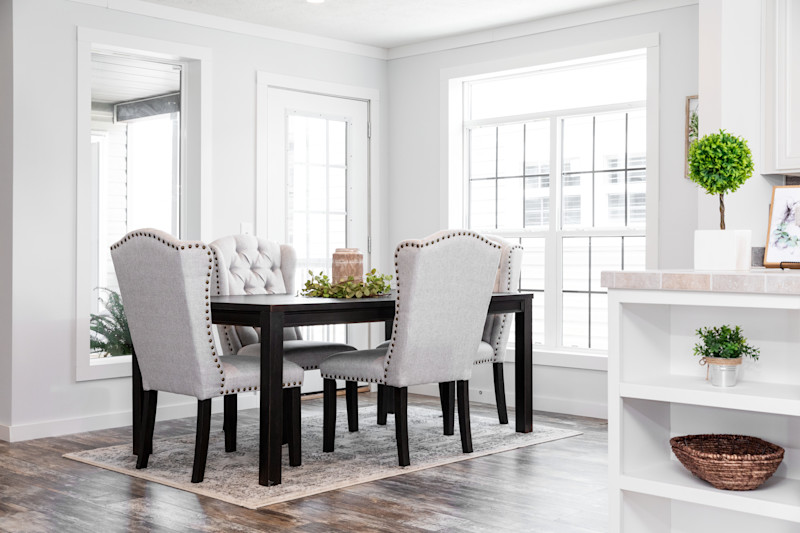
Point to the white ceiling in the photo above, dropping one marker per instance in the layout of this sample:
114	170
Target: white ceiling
123	79
386	23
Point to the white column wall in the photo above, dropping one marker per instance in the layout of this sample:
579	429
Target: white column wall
45	398
418	171
6	211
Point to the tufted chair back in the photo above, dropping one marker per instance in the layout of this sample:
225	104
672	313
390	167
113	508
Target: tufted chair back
444	284
251	265
165	286
497	328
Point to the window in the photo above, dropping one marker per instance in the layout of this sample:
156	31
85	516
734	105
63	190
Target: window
526	131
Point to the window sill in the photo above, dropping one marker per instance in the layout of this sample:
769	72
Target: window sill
103	368
543	356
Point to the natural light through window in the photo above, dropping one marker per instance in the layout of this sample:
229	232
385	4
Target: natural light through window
555	159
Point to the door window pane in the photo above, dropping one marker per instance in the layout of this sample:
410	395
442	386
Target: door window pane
575	317
575	264
609	146
578	134
482	204
483	153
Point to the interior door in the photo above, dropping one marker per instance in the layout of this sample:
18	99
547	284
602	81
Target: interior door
318	161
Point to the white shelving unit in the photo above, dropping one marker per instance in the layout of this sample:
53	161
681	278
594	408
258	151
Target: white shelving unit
657	390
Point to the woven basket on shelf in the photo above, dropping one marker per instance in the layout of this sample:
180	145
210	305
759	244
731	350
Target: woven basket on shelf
730	462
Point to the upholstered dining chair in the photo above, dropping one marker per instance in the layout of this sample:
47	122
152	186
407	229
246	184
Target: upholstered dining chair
496	332
443	287
247	264
165	285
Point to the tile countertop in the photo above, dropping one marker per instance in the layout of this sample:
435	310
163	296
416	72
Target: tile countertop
757	280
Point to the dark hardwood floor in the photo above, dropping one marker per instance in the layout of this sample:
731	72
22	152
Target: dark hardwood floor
557	487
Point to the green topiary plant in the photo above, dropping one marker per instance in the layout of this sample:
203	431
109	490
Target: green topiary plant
109	331
724	342
720	163
374	284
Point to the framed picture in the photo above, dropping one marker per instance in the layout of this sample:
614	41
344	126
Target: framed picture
691	129
783	237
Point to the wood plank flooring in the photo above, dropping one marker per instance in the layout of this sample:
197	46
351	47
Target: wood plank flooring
556	487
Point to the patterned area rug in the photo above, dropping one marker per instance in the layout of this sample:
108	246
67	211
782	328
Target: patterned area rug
366	455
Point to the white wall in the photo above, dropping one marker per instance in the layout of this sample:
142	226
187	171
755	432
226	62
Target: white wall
46	399
730	99
6	211
418	172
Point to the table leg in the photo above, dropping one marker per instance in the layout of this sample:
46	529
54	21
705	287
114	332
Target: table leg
523	369
137	400
271	401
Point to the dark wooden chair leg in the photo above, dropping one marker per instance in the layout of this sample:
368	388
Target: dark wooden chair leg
137	400
291	398
201	440
381	405
447	395
287	418
328	414
500	393
389	401
401	423
149	402
351	395
230	407
463	415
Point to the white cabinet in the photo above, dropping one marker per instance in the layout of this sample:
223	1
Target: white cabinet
781	94
657	390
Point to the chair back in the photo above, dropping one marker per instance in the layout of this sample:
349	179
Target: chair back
444	284
497	328
251	265
165	286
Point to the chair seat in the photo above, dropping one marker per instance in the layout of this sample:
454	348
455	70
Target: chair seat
485	353
306	354
359	365
243	373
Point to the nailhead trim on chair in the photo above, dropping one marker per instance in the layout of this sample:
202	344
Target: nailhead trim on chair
504	317
198	246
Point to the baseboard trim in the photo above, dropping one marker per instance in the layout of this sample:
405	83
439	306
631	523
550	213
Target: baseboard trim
56	428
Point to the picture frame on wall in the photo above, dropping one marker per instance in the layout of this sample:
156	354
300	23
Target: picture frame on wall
692	131
783	235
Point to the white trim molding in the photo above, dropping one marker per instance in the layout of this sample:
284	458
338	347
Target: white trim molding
196	162
204	20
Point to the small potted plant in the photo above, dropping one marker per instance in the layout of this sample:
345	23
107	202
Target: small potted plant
722	349
720	163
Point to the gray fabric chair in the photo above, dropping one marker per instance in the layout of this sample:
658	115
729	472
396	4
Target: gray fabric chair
165	285
444	283
496	332
251	265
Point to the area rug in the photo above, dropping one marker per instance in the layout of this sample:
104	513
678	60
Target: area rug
359	457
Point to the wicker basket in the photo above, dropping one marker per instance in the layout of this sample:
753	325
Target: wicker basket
730	462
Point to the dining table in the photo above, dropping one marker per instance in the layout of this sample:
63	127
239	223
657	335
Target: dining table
273	312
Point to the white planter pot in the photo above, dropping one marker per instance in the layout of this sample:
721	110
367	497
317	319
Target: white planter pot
718	249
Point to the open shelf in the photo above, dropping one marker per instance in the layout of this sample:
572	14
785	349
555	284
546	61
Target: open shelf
782	399
777	498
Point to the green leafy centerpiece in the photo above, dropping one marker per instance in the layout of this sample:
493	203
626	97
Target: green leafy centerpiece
110	335
720	163
374	284
722	349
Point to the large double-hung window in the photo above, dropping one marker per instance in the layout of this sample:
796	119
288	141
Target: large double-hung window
555	159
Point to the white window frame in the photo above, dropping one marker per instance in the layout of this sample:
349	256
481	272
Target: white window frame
453	185
195	165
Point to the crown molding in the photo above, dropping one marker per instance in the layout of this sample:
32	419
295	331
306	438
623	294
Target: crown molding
579	18
149	9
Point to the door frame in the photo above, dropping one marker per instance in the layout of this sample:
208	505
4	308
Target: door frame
265	81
